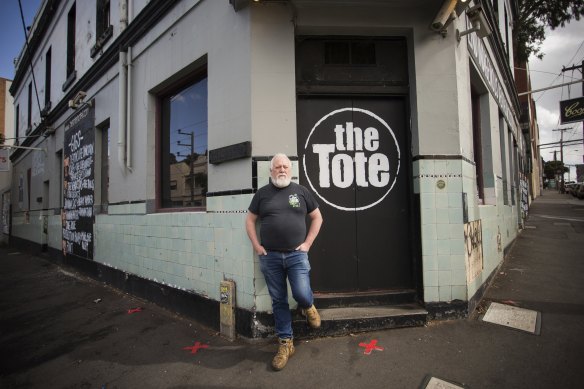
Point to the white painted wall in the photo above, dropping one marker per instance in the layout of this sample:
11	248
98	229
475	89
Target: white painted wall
251	73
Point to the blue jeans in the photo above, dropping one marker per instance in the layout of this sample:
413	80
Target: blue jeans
277	266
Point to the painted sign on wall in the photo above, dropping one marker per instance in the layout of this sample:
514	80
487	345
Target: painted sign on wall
524	186
342	156
473	240
78	184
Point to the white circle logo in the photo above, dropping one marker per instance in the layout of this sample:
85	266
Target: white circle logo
351	159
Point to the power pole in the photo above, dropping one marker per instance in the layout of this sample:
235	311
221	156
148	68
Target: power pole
581	68
561	155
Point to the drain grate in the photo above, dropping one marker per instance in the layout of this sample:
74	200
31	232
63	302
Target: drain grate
518	318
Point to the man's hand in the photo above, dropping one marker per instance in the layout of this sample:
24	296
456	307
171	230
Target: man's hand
315	223
303	247
260	250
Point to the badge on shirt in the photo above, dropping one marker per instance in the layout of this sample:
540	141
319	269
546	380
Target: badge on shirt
294	201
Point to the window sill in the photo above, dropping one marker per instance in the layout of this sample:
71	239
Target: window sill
45	110
190	209
70	80
101	41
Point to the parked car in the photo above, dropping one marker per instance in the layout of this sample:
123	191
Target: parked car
570	186
580	191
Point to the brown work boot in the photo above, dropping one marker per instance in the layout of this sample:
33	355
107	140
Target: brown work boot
285	351
312	316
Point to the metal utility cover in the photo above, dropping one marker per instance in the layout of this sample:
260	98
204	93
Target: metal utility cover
514	317
438	383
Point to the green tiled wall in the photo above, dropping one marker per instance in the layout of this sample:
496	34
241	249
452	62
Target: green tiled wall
191	251
442	225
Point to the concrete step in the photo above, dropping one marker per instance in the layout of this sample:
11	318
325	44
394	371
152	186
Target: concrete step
346	320
364	299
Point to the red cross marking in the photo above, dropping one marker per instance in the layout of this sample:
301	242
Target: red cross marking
134	310
370	347
196	347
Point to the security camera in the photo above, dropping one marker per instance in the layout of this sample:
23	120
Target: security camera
478	16
444	16
78	99
479	23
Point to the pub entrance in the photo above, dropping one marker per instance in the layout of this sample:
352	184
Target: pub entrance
354	155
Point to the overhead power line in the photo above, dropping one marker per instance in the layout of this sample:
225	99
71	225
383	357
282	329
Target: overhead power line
31	65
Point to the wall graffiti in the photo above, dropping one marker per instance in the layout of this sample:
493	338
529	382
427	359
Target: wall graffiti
524	200
473	240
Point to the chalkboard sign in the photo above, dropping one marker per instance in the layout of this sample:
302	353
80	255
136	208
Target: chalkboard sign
78	184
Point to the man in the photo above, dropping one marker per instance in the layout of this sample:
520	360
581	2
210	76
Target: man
282	206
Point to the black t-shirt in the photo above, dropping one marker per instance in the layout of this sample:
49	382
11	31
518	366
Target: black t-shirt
282	213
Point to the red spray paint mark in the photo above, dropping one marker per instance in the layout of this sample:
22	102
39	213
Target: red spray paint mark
196	347
370	347
134	310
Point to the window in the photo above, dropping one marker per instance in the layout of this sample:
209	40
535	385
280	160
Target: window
71	41
59	159
48	80
477	146
183	142
103	28
350	53
28	188
29	114
17	123
513	172
506	32
102	172
102	22
504	164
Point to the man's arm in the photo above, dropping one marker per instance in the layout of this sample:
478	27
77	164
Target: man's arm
315	223
250	222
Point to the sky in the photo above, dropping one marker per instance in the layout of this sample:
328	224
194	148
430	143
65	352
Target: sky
12	36
562	47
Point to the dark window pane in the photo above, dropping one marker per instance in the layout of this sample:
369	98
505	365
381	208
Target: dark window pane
71	40
184	143
337	53
363	53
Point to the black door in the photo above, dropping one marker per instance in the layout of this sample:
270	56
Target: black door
354	157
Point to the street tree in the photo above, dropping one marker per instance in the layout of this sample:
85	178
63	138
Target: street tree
534	16
553	168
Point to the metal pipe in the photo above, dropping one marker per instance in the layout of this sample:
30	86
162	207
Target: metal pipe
129	111
122	104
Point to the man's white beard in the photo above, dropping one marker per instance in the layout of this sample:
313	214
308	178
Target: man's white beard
282	182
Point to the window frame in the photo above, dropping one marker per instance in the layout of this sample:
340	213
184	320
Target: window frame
174	85
48	71
29	112
71	73
103	27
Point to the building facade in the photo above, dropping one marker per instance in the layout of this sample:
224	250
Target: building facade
159	118
6	139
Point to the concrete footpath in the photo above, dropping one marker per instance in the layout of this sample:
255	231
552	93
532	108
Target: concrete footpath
59	329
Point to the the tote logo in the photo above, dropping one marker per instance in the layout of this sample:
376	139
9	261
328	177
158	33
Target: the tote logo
351	159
